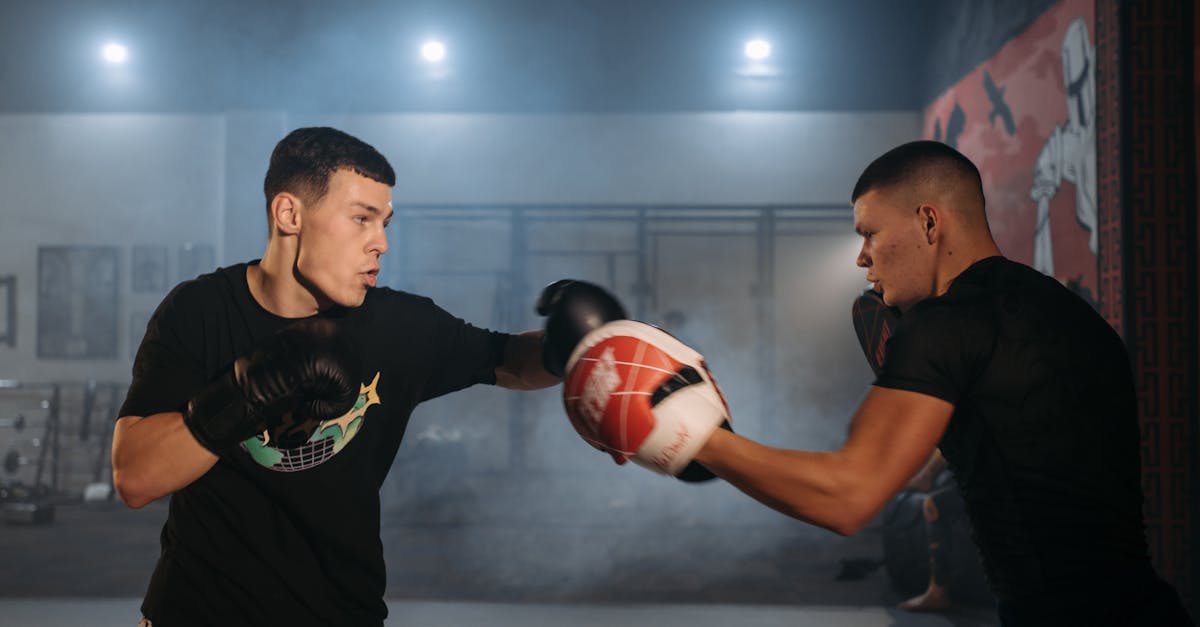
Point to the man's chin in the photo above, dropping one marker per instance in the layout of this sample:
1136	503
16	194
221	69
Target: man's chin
890	301
350	301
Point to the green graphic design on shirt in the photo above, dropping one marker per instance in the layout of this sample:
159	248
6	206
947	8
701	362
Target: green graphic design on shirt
330	437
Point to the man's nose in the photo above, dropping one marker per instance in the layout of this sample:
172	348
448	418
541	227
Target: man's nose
379	243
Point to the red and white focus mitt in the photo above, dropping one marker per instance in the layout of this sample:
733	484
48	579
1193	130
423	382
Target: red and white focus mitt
635	392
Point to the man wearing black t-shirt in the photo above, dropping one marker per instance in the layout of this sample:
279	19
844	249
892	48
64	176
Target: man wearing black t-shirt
1025	389
269	399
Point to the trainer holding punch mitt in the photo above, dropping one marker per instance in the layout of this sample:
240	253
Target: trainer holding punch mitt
1024	388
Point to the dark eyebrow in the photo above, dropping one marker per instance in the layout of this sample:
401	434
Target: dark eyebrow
373	209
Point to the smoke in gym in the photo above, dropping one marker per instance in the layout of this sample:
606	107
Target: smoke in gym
691	161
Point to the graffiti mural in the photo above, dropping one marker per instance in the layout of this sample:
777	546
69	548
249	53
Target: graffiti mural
1026	117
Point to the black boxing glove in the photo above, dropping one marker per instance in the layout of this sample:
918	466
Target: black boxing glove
572	309
292	381
874	323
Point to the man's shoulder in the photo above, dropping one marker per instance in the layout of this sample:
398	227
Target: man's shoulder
948	309
974	291
962	312
1000	275
203	292
204	286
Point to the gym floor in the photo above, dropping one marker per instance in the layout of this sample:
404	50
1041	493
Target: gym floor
91	564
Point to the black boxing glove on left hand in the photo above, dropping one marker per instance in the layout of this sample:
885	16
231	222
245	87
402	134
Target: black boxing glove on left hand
306	372
572	309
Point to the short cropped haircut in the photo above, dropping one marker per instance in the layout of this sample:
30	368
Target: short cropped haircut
304	160
916	163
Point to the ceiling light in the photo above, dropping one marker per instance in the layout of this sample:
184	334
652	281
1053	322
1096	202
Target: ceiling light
433	51
114	53
757	49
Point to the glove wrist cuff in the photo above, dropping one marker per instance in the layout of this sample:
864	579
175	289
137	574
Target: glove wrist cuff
218	416
552	361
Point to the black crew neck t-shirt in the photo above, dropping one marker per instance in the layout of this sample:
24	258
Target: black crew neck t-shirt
273	536
1044	439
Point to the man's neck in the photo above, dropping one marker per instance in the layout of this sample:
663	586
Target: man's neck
956	260
275	287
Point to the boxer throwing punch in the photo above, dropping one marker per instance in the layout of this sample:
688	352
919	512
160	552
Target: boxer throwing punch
269	399
1025	389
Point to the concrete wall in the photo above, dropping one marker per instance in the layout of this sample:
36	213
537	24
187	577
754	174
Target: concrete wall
101	180
183	180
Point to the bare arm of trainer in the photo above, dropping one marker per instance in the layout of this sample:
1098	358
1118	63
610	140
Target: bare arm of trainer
892	434
891	437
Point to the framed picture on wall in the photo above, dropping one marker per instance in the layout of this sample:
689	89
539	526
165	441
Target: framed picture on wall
149	269
77	302
194	260
8	310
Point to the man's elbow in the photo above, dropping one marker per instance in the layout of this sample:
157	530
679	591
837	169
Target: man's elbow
132	483
857	513
133	502
859	502
841	521
131	494
127	479
849	524
843	517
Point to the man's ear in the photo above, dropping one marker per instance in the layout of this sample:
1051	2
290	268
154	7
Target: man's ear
931	221
285	213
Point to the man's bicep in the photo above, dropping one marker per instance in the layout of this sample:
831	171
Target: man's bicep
122	430
461	354
892	436
167	369
164	378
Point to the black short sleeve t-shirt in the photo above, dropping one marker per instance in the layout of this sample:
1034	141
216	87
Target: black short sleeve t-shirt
290	536
1044	440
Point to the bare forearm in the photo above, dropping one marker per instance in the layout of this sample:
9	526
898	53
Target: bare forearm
522	368
811	486
892	435
155	456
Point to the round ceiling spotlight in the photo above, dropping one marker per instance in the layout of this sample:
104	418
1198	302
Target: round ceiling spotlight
114	53
433	51
757	49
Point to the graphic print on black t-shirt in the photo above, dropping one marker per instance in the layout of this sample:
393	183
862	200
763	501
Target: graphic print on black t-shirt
253	541
330	437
